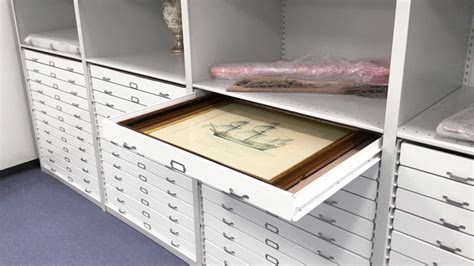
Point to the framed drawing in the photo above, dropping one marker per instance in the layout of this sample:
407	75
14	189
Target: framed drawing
274	146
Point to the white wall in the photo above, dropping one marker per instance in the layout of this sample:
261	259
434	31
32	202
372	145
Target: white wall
16	134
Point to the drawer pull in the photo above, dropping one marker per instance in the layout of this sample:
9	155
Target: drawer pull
38	81
70	179
455	203
83	160
81	139
42	102
47	132
49	142
173	219
40	92
121	201
77	116
52	161
227	222
226	263
85	170
452	226
116	154
69	169
71	81
133	85
328	239
62	129
65	149
172	181
67	159
144	190
145	202
134	99
231	238
172	194
53	170
146	214
75	104
60	118
172	206
35	70
176	245
117	166
460	179
64	139
109	105
69	69
325	256
235	195
272	244
126	146
142	166
59	108
118	178
147	226
231	252
108	92
122	211
143	178
164	95
331	202
82	149
178	166
106	79
174	232
46	122
119	189
52	74
34	59
50	151
227	208
43	112
56	86
51	63
449	249
88	191
78	127
73	93
272	259
272	228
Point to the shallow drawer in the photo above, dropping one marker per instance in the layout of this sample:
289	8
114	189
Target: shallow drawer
435	234
78	162
60	95
64	75
279	227
115	102
156	169
397	259
106	111
440	188
58	84
174	191
290	247
354	204
74	151
210	260
290	205
223	257
61	106
127	93
435	211
76	172
425	252
165	90
54	61
76	122
364	187
343	219
265	252
48	165
440	163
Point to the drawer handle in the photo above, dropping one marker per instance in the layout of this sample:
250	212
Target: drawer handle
121	201
449	249
43	112
452	226
455	203
42	102
227	208
172	206
69	69
71	81
70	179
106	79
108	92
272	259
34	59
331	202
119	189
47	132
51	63
172	194
46	122
146	214
116	154
87	181
60	118
272	228
134	99
133	85
147	226
144	190
75	104
52	161
328	239
53	170
85	170
164	95
143	178
56	86
38	81
62	129
460	179
50	151
178	166
73	93
59	108
65	149
49	141
231	252
81	139
83	160
78	127
235	195
41	92
176	245
231	238
174	232
35	70
325	256
172	181
145	202
142	166
88	191
52	74
272	244
82	149
227	222
118	178
64	139
109	105
66	159
77	116
117	166
173	219
126	146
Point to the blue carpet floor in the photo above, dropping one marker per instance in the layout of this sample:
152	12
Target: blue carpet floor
43	222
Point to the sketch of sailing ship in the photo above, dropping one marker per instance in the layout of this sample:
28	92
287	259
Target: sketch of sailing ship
248	137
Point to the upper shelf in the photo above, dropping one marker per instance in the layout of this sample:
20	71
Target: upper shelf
364	113
422	128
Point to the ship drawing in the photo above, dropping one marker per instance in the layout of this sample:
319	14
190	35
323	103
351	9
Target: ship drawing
236	132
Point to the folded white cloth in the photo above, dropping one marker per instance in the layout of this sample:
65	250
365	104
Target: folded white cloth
459	126
65	40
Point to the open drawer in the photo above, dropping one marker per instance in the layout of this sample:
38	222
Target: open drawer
290	204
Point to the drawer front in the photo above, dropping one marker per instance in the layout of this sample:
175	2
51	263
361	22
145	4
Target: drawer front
126	93
60	106
115	103
354	204
265	252
75	171
397	259
445	238
162	89
436	211
441	163
106	111
210	260
348	221
284	229
224	258
60	95
65	118
64	75
364	187
174	191
58	84
269	238
46	164
424	252
54	61
436	187
71	150
168	175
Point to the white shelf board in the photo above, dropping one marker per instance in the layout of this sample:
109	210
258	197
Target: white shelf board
165	66
422	128
360	112
73	56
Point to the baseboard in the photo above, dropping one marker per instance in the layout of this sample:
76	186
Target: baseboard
18	168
